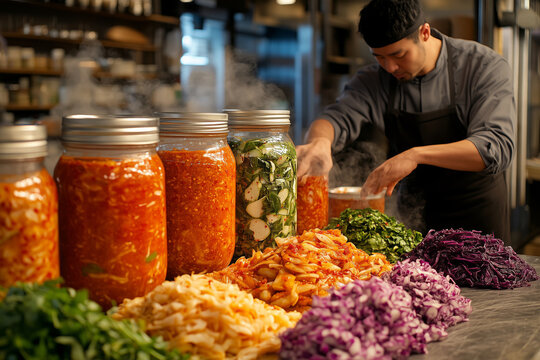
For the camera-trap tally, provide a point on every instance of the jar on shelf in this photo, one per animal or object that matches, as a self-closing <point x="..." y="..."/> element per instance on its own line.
<point x="28" y="207"/>
<point x="111" y="190"/>
<point x="200" y="189"/>
<point x="265" y="178"/>
<point x="312" y="202"/>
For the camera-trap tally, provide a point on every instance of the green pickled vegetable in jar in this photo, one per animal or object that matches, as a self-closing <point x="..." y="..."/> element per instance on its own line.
<point x="265" y="178"/>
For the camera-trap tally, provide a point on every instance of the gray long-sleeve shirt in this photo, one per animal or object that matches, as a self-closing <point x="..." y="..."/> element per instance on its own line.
<point x="484" y="99"/>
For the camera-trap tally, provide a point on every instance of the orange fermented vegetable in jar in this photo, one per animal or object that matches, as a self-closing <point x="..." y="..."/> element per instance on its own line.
<point x="112" y="213"/>
<point x="28" y="208"/>
<point x="200" y="175"/>
<point x="312" y="203"/>
<point x="200" y="209"/>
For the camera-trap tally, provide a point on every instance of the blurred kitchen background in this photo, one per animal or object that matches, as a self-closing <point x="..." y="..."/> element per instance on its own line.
<point x="60" y="57"/>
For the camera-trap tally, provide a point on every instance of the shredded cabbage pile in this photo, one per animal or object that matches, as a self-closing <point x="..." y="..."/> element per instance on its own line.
<point x="436" y="298"/>
<point x="370" y="319"/>
<point x="474" y="260"/>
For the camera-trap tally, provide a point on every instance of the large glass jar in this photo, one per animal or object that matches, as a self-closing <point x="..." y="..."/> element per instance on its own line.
<point x="312" y="202"/>
<point x="28" y="207"/>
<point x="111" y="190"/>
<point x="200" y="187"/>
<point x="265" y="178"/>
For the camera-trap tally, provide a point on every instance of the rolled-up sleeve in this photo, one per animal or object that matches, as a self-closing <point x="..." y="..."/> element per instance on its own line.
<point x="492" y="114"/>
<point x="360" y="103"/>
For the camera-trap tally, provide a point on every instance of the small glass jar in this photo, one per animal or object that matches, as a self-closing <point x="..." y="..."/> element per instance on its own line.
<point x="312" y="203"/>
<point x="265" y="178"/>
<point x="111" y="189"/>
<point x="201" y="184"/>
<point x="28" y="208"/>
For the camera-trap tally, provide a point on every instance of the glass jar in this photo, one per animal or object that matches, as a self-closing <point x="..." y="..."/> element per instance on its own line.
<point x="200" y="187"/>
<point x="111" y="190"/>
<point x="312" y="203"/>
<point x="265" y="178"/>
<point x="28" y="207"/>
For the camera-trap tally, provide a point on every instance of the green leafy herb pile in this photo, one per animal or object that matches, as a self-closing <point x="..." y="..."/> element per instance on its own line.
<point x="375" y="232"/>
<point x="49" y="322"/>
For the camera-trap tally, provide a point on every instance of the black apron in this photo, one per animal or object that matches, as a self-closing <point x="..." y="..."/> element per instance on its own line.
<point x="452" y="199"/>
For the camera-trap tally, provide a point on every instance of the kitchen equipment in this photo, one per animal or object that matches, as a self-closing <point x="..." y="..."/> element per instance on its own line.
<point x="343" y="197"/>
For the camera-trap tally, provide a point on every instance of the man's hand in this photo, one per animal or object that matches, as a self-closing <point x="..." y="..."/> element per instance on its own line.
<point x="314" y="158"/>
<point x="461" y="156"/>
<point x="389" y="173"/>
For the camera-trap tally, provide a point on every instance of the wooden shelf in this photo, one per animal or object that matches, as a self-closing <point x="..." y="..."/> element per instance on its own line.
<point x="29" y="107"/>
<point x="109" y="76"/>
<point x="61" y="41"/>
<point x="45" y="72"/>
<point x="54" y="7"/>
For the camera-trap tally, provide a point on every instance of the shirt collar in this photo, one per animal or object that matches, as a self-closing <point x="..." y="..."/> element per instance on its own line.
<point x="440" y="65"/>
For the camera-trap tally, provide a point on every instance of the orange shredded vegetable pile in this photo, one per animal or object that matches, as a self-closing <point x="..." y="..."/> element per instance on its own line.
<point x="301" y="267"/>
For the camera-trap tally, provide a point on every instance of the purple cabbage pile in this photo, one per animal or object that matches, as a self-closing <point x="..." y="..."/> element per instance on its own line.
<point x="436" y="298"/>
<point x="370" y="320"/>
<point x="474" y="260"/>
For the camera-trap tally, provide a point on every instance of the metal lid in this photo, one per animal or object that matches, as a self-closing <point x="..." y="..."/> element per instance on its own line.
<point x="22" y="142"/>
<point x="251" y="118"/>
<point x="110" y="129"/>
<point x="192" y="123"/>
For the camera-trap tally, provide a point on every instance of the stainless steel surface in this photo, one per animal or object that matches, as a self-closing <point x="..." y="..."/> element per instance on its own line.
<point x="504" y="324"/>
<point x="110" y="130"/>
<point x="22" y="142"/>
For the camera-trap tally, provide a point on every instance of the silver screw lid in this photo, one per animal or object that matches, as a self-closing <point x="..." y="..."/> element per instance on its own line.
<point x="18" y="142"/>
<point x="110" y="129"/>
<point x="192" y="124"/>
<point x="250" y="118"/>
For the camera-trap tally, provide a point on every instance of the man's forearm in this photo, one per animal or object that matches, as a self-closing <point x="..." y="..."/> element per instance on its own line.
<point x="320" y="128"/>
<point x="461" y="155"/>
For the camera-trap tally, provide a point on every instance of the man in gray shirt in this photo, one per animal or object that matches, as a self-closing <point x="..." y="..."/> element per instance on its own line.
<point x="447" y="108"/>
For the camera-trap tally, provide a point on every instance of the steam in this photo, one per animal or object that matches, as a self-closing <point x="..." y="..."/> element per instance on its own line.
<point x="244" y="90"/>
<point x="353" y="165"/>
<point x="241" y="87"/>
<point x="82" y="94"/>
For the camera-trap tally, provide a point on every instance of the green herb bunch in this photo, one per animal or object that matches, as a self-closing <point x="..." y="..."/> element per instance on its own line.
<point x="49" y="322"/>
<point x="375" y="232"/>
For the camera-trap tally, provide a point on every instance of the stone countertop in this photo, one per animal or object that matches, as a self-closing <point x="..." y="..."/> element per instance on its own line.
<point x="504" y="324"/>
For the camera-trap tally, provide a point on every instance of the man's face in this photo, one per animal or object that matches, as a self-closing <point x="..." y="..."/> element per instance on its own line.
<point x="405" y="59"/>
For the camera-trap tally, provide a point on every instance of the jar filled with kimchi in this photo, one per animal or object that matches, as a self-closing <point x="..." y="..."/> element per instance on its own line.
<point x="28" y="207"/>
<point x="312" y="202"/>
<point x="111" y="191"/>
<point x="265" y="178"/>
<point x="200" y="187"/>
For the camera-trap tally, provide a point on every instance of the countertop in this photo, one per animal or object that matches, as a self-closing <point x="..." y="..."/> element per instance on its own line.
<point x="504" y="324"/>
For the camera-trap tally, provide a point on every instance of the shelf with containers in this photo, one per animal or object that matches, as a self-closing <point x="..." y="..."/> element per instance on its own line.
<point x="36" y="37"/>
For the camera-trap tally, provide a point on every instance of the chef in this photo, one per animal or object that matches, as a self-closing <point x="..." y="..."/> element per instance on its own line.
<point x="447" y="108"/>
